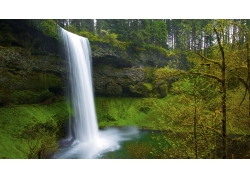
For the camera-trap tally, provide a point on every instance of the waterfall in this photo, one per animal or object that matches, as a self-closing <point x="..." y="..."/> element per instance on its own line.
<point x="85" y="140"/>
<point x="78" y="52"/>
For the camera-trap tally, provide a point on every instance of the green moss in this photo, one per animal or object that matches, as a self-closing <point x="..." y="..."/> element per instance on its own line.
<point x="148" y="86"/>
<point x="113" y="89"/>
<point x="148" y="113"/>
<point x="19" y="89"/>
<point x="162" y="90"/>
<point x="29" y="97"/>
<point x="14" y="121"/>
<point x="149" y="73"/>
<point x="182" y="86"/>
<point x="37" y="81"/>
<point x="139" y="90"/>
<point x="140" y="112"/>
<point x="43" y="81"/>
<point x="164" y="73"/>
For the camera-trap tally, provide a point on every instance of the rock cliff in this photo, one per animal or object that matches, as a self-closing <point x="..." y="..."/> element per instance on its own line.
<point x="30" y="66"/>
<point x="33" y="67"/>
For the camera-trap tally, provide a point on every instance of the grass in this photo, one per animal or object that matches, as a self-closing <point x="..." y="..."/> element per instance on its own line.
<point x="13" y="120"/>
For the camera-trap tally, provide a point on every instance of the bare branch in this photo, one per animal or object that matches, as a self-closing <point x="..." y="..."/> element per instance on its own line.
<point x="243" y="82"/>
<point x="246" y="85"/>
<point x="244" y="67"/>
<point x="244" y="96"/>
<point x="210" y="60"/>
<point x="208" y="75"/>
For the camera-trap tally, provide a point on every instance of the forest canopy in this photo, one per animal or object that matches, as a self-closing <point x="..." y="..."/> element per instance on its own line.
<point x="184" y="34"/>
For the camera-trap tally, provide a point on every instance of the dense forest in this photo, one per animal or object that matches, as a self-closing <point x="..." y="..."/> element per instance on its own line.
<point x="190" y="34"/>
<point x="199" y="100"/>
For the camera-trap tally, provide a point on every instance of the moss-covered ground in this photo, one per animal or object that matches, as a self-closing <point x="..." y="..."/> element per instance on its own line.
<point x="14" y="120"/>
<point x="145" y="113"/>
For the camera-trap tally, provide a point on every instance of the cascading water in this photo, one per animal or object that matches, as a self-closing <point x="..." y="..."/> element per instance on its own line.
<point x="86" y="141"/>
<point x="80" y="75"/>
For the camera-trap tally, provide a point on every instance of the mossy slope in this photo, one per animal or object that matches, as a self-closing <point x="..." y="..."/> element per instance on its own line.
<point x="14" y="119"/>
<point x="145" y="113"/>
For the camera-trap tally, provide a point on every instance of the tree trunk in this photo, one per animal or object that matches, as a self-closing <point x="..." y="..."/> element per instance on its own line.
<point x="195" y="129"/>
<point x="224" y="109"/>
<point x="248" y="74"/>
<point x="224" y="98"/>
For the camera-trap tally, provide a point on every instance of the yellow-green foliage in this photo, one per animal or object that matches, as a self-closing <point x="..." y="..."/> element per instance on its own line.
<point x="180" y="87"/>
<point x="164" y="73"/>
<point x="168" y="53"/>
<point x="89" y="35"/>
<point x="149" y="73"/>
<point x="139" y="150"/>
<point x="149" y="86"/>
<point x="15" y="122"/>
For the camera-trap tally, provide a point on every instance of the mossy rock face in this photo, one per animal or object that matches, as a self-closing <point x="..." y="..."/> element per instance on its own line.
<point x="118" y="81"/>
<point x="148" y="86"/>
<point x="30" y="64"/>
<point x="139" y="90"/>
<point x="130" y="82"/>
<point x="114" y="89"/>
<point x="39" y="36"/>
<point x="127" y="55"/>
<point x="36" y="81"/>
<point x="37" y="87"/>
<point x="29" y="97"/>
<point x="162" y="89"/>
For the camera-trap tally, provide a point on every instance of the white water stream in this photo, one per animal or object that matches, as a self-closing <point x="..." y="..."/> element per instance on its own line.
<point x="86" y="141"/>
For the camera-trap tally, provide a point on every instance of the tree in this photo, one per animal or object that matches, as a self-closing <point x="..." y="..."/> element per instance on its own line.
<point x="221" y="78"/>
